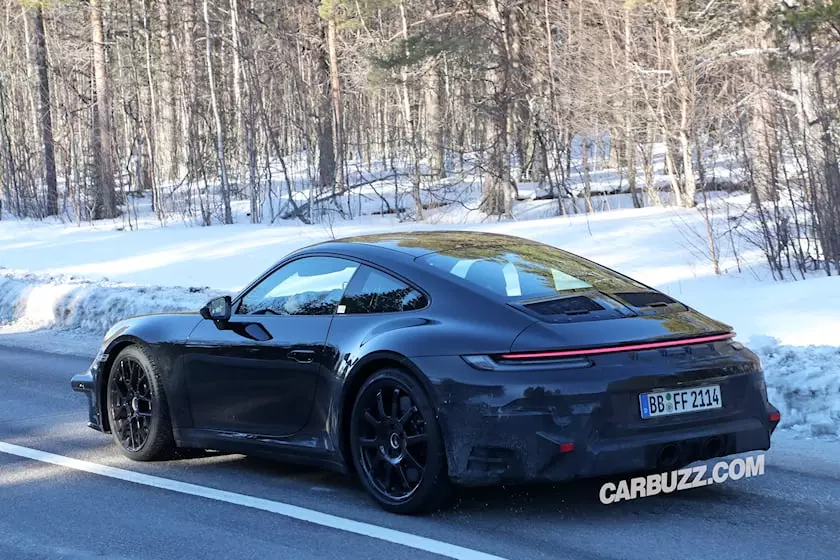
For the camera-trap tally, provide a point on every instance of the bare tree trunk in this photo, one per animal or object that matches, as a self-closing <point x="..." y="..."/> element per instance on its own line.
<point x="671" y="168"/>
<point x="521" y="116"/>
<point x="256" y="208"/>
<point x="410" y="124"/>
<point x="45" y="112"/>
<point x="190" y="108"/>
<point x="497" y="195"/>
<point x="106" y="206"/>
<point x="629" y="114"/>
<point x="166" y="144"/>
<point x="552" y="107"/>
<point x="337" y="124"/>
<point x="684" y="96"/>
<point x="689" y="179"/>
<point x="760" y="104"/>
<point x="250" y="121"/>
<point x="8" y="180"/>
<point x="324" y="123"/>
<point x="646" y="150"/>
<point x="220" y="139"/>
<point x="434" y="105"/>
<point x="149" y="132"/>
<point x="236" y="46"/>
<point x="587" y="183"/>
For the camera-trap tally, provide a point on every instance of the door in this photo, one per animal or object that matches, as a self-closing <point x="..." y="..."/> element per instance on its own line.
<point x="257" y="374"/>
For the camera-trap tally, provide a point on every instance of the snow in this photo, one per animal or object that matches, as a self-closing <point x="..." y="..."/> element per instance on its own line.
<point x="29" y="301"/>
<point x="86" y="277"/>
<point x="803" y="382"/>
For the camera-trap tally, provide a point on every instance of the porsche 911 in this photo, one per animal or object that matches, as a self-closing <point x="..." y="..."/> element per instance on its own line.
<point x="427" y="361"/>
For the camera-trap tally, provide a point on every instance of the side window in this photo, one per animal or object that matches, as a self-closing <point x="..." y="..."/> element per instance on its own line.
<point x="376" y="292"/>
<point x="307" y="286"/>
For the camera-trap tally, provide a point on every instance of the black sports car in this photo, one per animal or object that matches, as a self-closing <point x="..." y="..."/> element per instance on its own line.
<point x="422" y="360"/>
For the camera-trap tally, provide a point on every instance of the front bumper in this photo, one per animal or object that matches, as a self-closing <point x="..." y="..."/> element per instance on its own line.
<point x="86" y="383"/>
<point x="82" y="382"/>
<point x="543" y="425"/>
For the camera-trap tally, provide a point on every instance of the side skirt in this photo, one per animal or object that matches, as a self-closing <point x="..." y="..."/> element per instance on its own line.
<point x="299" y="452"/>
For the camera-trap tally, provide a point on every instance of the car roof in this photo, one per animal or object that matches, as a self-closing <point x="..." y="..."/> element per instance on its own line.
<point x="417" y="243"/>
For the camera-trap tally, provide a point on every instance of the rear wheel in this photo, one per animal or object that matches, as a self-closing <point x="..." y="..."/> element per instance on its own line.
<point x="397" y="445"/>
<point x="137" y="410"/>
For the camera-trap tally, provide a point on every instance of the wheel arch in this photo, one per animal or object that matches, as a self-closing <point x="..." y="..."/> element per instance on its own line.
<point x="114" y="349"/>
<point x="360" y="373"/>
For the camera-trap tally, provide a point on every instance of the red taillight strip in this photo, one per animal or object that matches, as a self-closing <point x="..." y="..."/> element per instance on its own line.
<point x="612" y="349"/>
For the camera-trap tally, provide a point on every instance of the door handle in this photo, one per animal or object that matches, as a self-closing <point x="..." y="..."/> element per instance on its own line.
<point x="302" y="356"/>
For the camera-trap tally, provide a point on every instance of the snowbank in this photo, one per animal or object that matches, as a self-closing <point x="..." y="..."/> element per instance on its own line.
<point x="31" y="301"/>
<point x="803" y="382"/>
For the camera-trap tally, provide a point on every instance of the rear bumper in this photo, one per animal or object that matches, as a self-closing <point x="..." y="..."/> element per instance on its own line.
<point x="664" y="451"/>
<point x="530" y="426"/>
<point x="515" y="451"/>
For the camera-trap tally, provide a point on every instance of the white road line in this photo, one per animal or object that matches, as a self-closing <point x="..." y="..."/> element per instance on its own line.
<point x="287" y="510"/>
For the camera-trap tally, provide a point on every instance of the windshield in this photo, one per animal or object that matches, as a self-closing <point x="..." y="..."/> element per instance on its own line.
<point x="527" y="271"/>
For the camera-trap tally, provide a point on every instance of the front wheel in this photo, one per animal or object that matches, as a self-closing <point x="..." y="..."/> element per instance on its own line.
<point x="397" y="445"/>
<point x="137" y="410"/>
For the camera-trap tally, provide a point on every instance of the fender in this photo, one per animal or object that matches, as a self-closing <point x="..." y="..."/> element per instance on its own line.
<point x="342" y="400"/>
<point x="163" y="333"/>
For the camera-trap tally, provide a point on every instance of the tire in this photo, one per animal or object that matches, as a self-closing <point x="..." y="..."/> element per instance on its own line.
<point x="136" y="406"/>
<point x="393" y="429"/>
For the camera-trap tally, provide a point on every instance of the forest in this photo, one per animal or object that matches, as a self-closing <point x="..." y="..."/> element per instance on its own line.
<point x="198" y="103"/>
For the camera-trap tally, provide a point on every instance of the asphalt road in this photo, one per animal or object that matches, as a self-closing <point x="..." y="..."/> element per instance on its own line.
<point x="49" y="511"/>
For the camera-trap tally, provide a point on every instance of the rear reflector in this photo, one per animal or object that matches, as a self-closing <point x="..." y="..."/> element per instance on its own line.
<point x="613" y="349"/>
<point x="775" y="416"/>
<point x="567" y="447"/>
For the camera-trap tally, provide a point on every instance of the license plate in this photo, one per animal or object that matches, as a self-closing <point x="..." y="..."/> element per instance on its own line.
<point x="664" y="403"/>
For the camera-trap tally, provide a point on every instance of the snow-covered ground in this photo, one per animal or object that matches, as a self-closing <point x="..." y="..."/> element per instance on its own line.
<point x="85" y="278"/>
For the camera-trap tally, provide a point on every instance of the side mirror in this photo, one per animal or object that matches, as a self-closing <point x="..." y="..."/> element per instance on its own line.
<point x="217" y="309"/>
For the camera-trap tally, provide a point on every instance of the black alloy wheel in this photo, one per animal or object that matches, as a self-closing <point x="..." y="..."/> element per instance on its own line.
<point x="131" y="404"/>
<point x="137" y="411"/>
<point x="396" y="444"/>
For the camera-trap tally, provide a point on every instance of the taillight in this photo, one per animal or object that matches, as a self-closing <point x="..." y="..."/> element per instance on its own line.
<point x="480" y="362"/>
<point x="613" y="349"/>
<point x="489" y="363"/>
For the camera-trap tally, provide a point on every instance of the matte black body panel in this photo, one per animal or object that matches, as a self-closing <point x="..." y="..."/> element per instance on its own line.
<point x="236" y="383"/>
<point x="280" y="386"/>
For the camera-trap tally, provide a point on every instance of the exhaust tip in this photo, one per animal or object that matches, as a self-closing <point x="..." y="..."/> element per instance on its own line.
<point x="669" y="456"/>
<point x="712" y="447"/>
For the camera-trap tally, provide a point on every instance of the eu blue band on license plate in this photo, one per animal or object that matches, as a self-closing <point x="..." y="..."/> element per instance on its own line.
<point x="643" y="399"/>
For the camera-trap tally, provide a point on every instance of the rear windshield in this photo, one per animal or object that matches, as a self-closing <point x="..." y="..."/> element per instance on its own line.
<point x="527" y="271"/>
